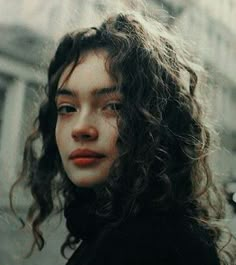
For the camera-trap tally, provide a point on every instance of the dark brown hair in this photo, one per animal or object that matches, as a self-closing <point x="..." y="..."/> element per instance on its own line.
<point x="164" y="141"/>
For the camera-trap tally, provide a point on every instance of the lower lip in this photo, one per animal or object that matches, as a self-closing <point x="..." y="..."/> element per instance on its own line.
<point x="86" y="161"/>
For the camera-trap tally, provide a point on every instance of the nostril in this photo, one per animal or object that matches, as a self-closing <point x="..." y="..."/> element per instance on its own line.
<point x="85" y="134"/>
<point x="81" y="136"/>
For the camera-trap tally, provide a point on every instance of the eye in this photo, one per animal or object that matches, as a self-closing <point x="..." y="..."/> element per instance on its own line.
<point x="65" y="109"/>
<point x="113" y="106"/>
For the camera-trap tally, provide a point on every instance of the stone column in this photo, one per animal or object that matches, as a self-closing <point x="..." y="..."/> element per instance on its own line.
<point x="11" y="136"/>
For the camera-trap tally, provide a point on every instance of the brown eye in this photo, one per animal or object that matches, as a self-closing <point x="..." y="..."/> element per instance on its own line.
<point x="64" y="109"/>
<point x="113" y="106"/>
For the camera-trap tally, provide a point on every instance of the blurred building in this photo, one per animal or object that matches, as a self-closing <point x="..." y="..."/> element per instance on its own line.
<point x="30" y="27"/>
<point x="209" y="25"/>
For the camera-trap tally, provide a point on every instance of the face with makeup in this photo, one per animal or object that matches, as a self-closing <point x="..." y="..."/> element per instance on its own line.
<point x="86" y="130"/>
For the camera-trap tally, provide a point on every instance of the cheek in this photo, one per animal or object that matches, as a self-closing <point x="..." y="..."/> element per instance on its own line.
<point x="60" y="134"/>
<point x="57" y="133"/>
<point x="112" y="135"/>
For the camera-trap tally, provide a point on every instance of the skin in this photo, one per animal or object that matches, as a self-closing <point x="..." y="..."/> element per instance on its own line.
<point x="87" y="119"/>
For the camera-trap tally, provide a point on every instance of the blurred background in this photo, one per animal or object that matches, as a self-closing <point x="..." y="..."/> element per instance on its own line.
<point x="29" y="31"/>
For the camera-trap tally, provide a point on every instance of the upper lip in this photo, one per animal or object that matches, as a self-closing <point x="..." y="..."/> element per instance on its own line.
<point x="84" y="153"/>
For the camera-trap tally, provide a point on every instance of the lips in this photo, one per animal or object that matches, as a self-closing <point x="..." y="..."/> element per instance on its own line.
<point x="85" y="157"/>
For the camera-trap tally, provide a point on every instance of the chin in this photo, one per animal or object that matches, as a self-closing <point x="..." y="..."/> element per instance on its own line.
<point x="88" y="182"/>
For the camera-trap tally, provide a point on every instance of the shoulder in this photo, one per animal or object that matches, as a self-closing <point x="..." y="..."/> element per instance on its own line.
<point x="161" y="238"/>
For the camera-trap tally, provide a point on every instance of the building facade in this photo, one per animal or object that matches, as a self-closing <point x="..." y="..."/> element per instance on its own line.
<point x="29" y="34"/>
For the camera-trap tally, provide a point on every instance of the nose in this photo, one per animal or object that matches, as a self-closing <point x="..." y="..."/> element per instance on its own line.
<point x="84" y="131"/>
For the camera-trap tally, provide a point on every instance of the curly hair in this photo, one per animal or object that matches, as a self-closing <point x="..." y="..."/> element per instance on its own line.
<point x="163" y="141"/>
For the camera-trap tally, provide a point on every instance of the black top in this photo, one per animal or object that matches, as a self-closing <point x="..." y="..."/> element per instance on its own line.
<point x="148" y="239"/>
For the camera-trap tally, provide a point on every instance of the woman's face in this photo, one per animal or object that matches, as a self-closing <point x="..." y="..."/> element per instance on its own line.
<point x="86" y="129"/>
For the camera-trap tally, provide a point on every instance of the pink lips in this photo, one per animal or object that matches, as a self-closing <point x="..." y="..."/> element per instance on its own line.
<point x="85" y="157"/>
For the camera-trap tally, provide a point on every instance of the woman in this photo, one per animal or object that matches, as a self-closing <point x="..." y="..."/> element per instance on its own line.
<point x="124" y="142"/>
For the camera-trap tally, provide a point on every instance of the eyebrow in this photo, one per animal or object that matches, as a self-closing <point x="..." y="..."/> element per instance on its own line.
<point x="96" y="92"/>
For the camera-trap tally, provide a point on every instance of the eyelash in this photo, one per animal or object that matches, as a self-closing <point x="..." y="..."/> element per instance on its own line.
<point x="65" y="109"/>
<point x="116" y="106"/>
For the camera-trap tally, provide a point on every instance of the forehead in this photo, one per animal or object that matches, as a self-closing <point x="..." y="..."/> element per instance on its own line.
<point x="91" y="70"/>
